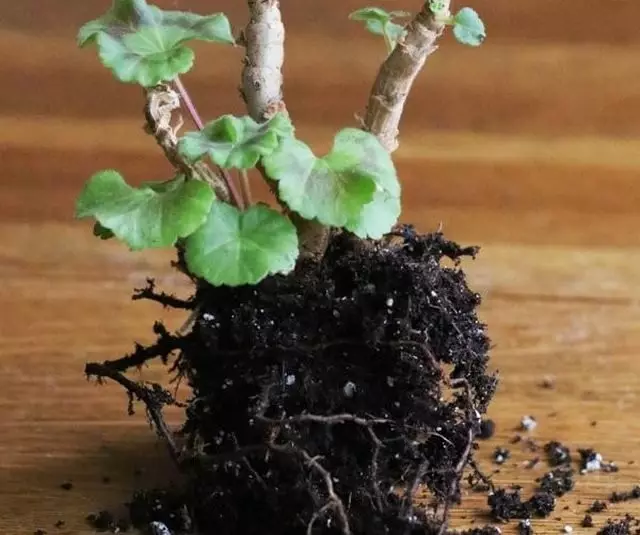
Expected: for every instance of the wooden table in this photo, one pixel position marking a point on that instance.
(528, 146)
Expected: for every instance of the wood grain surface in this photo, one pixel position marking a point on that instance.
(528, 146)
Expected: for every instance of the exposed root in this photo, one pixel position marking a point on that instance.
(154, 397)
(166, 300)
(319, 401)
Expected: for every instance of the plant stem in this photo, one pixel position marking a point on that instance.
(184, 95)
(262, 72)
(245, 188)
(397, 74)
(263, 38)
(193, 112)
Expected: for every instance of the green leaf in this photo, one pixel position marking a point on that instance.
(468, 27)
(380, 22)
(236, 142)
(153, 215)
(377, 217)
(234, 248)
(143, 44)
(337, 189)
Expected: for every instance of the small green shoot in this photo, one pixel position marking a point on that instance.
(468, 27)
(380, 22)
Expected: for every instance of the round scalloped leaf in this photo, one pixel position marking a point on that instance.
(338, 188)
(153, 215)
(236, 142)
(468, 27)
(234, 248)
(378, 217)
(143, 44)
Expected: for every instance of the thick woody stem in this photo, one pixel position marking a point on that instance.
(161, 102)
(397, 74)
(262, 72)
(262, 92)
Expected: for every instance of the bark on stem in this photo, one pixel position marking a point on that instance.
(161, 102)
(397, 74)
(262, 92)
(262, 72)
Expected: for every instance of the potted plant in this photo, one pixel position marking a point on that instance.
(336, 365)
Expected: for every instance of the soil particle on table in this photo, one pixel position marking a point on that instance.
(617, 527)
(500, 455)
(597, 507)
(105, 521)
(162, 506)
(505, 505)
(557, 453)
(558, 481)
(67, 485)
(487, 429)
(633, 494)
(524, 527)
(587, 521)
(528, 423)
(592, 461)
(485, 530)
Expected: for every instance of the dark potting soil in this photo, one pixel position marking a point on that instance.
(487, 429)
(505, 505)
(558, 481)
(323, 400)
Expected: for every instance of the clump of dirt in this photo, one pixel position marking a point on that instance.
(505, 505)
(558, 481)
(324, 400)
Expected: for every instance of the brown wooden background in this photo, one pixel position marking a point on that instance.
(529, 146)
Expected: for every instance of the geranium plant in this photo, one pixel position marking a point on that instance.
(320, 329)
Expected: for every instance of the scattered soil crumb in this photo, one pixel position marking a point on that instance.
(506, 505)
(557, 482)
(557, 453)
(548, 382)
(60, 524)
(485, 530)
(528, 423)
(524, 527)
(617, 527)
(40, 532)
(597, 507)
(478, 483)
(633, 494)
(67, 485)
(487, 429)
(500, 455)
(587, 521)
(105, 521)
(532, 463)
(592, 461)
